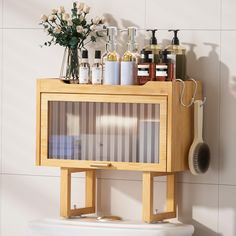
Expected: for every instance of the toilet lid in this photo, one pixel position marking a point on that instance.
(89, 226)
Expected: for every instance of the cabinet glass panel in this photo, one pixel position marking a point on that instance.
(120, 132)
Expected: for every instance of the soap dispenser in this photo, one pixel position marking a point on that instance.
(111, 59)
(177, 54)
(154, 47)
(130, 59)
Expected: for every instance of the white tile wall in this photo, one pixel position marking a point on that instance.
(183, 14)
(227, 213)
(1, 16)
(228, 14)
(198, 205)
(26, 198)
(24, 61)
(26, 14)
(209, 33)
(123, 198)
(228, 110)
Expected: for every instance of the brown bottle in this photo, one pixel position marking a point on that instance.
(146, 69)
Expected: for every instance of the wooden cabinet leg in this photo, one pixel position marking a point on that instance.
(148, 214)
(65, 192)
(90, 193)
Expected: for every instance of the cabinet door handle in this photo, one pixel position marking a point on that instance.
(100, 165)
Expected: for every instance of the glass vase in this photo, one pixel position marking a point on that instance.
(70, 66)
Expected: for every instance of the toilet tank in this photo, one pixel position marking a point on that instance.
(92, 227)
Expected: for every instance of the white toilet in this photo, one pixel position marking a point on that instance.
(92, 227)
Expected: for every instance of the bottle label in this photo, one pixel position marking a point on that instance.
(143, 70)
(96, 75)
(161, 70)
(112, 72)
(171, 57)
(83, 75)
(150, 56)
(128, 72)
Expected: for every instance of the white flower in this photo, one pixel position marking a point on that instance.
(44, 18)
(65, 16)
(52, 18)
(80, 6)
(81, 17)
(69, 22)
(96, 20)
(79, 29)
(57, 30)
(54, 11)
(86, 9)
(93, 27)
(103, 20)
(61, 10)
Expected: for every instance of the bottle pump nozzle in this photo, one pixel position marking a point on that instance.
(153, 40)
(175, 40)
(132, 32)
(111, 33)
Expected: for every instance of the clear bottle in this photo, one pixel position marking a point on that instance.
(130, 59)
(111, 60)
(104, 58)
(154, 47)
(177, 54)
(84, 68)
(97, 68)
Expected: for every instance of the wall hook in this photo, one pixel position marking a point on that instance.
(183, 90)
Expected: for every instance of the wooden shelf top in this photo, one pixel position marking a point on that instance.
(163, 88)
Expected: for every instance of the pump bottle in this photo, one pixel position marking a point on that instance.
(84, 68)
(154, 47)
(130, 59)
(97, 68)
(176, 54)
(111, 59)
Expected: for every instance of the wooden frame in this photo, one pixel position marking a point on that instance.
(178, 133)
(148, 215)
(90, 193)
(162, 100)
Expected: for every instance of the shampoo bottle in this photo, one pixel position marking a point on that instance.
(145, 71)
(84, 68)
(154, 47)
(111, 60)
(130, 59)
(97, 68)
(176, 53)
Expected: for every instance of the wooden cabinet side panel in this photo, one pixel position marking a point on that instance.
(38, 123)
(182, 125)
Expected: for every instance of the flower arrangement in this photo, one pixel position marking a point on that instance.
(71, 30)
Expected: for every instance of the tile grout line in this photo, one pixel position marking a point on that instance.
(145, 22)
(112, 179)
(219, 122)
(1, 109)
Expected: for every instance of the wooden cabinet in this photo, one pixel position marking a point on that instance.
(139, 128)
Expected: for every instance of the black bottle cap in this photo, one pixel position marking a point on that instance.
(175, 40)
(85, 54)
(97, 54)
(153, 40)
